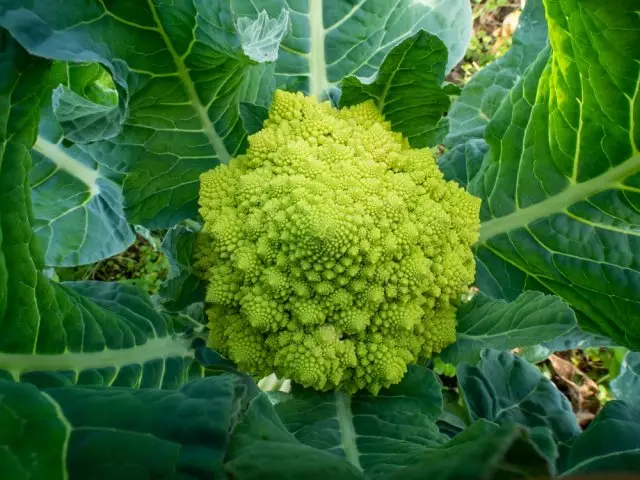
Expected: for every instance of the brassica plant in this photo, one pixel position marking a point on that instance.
(318, 232)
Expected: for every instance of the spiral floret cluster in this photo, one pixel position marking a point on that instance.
(335, 254)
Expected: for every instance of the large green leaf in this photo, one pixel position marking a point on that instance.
(102, 334)
(561, 182)
(182, 69)
(376, 434)
(611, 443)
(333, 39)
(408, 90)
(626, 386)
(77, 202)
(531, 319)
(484, 93)
(100, 433)
(484, 450)
(87, 332)
(506, 389)
(263, 448)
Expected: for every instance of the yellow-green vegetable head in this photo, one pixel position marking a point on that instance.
(334, 252)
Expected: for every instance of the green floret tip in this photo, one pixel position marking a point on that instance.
(334, 252)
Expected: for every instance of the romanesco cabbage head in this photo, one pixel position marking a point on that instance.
(334, 252)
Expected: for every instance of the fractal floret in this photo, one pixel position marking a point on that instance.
(334, 252)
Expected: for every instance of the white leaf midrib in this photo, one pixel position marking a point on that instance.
(318, 81)
(557, 203)
(67, 163)
(348, 433)
(215, 140)
(18, 364)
